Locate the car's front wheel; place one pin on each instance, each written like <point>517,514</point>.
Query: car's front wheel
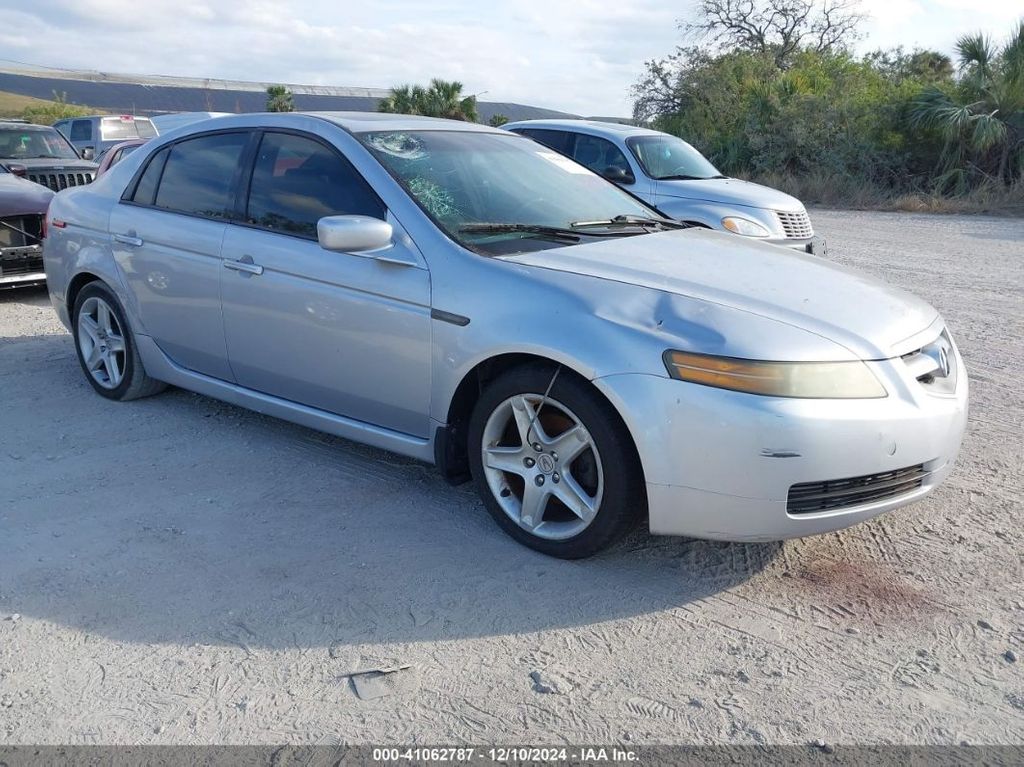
<point>553,462</point>
<point>106,348</point>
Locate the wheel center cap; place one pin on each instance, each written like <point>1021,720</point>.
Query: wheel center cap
<point>545,463</point>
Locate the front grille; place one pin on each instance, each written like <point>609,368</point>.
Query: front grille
<point>20,231</point>
<point>811,497</point>
<point>797,226</point>
<point>934,366</point>
<point>13,267</point>
<point>57,181</point>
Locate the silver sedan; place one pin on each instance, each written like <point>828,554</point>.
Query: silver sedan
<point>467,297</point>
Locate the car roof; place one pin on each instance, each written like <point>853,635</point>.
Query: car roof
<point>591,127</point>
<point>362,122</point>
<point>354,122</point>
<point>104,117</point>
<point>22,125</point>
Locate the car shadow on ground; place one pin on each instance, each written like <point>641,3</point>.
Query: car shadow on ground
<point>182,519</point>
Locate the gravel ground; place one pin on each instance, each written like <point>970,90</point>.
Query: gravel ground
<point>177,570</point>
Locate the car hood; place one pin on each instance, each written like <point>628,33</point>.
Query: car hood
<point>19,197</point>
<point>730,191</point>
<point>869,318</point>
<point>52,163</point>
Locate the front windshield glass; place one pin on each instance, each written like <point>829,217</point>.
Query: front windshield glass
<point>28,143</point>
<point>466,181</point>
<point>669,157</point>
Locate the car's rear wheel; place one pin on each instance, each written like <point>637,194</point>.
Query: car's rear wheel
<point>106,348</point>
<point>553,462</point>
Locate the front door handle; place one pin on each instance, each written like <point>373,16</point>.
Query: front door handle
<point>127,239</point>
<point>244,266</point>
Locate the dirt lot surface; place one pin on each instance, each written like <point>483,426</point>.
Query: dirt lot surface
<point>179,570</point>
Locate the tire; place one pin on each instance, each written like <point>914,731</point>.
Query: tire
<point>598,473</point>
<point>106,347</point>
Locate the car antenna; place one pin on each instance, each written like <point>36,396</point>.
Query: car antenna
<point>543,400</point>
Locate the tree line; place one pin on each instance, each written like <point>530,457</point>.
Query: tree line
<point>771,89</point>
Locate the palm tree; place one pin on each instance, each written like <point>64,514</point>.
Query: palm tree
<point>441,99</point>
<point>404,99</point>
<point>982,119</point>
<point>445,99</point>
<point>279,99</point>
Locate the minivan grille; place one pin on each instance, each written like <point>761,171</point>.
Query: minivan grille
<point>57,181</point>
<point>810,497</point>
<point>797,226</point>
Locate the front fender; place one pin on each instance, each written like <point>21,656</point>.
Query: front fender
<point>593,326</point>
<point>710,214</point>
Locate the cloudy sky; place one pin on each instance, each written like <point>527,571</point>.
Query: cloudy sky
<point>580,55</point>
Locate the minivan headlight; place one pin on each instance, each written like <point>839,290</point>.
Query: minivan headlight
<point>744,226</point>
<point>808,380</point>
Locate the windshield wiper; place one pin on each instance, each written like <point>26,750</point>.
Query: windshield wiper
<point>554,232</point>
<point>684,177</point>
<point>643,221</point>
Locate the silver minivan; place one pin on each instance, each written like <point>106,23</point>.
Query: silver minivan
<point>93,136</point>
<point>668,173</point>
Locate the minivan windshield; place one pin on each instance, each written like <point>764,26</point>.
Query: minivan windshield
<point>29,142</point>
<point>502,193</point>
<point>668,158</point>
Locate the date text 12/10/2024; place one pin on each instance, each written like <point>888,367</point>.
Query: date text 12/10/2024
<point>441,754</point>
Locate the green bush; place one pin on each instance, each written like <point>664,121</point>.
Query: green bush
<point>50,112</point>
<point>881,126</point>
<point>827,113</point>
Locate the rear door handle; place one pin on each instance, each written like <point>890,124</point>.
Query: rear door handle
<point>244,266</point>
<point>127,239</point>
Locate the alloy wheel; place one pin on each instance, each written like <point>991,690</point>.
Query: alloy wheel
<point>543,466</point>
<point>101,341</point>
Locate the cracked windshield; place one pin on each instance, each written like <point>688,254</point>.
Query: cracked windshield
<point>503,194</point>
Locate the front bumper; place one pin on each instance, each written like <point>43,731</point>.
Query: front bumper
<point>813,245</point>
<point>21,266</point>
<point>720,464</point>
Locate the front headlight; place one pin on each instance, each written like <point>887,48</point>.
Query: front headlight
<point>808,380</point>
<point>745,226</point>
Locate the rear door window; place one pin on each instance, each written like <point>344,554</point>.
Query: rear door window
<point>199,173</point>
<point>559,140</point>
<point>145,190</point>
<point>81,130</point>
<point>296,181</point>
<point>598,154</point>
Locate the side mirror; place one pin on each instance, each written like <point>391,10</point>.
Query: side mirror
<point>17,169</point>
<point>618,175</point>
<point>353,234</point>
<point>88,153</point>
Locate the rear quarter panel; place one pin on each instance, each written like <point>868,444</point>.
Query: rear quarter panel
<point>82,244</point>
